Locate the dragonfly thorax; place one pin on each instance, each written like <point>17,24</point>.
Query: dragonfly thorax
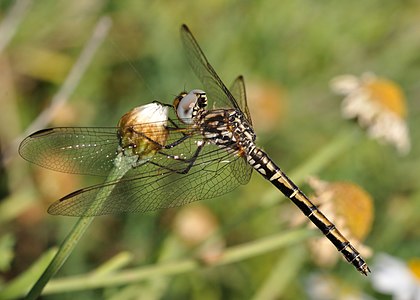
<point>227,128</point>
<point>188,105</point>
<point>242,131</point>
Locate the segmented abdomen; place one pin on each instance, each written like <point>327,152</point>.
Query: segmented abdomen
<point>260,161</point>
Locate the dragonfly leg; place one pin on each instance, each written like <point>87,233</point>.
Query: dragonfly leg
<point>190,161</point>
<point>176,143</point>
<point>168,146</point>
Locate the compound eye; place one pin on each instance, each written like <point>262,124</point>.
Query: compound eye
<point>185,106</point>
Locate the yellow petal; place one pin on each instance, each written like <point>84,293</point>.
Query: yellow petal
<point>388,94</point>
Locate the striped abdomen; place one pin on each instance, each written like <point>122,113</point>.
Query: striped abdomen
<point>266,167</point>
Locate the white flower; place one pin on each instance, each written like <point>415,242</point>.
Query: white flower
<point>326,287</point>
<point>396,277</point>
<point>196,225</point>
<point>379,106</point>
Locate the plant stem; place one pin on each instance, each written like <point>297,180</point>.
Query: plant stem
<point>231,255</point>
<point>291,260</point>
<point>12,20</point>
<point>122,165</point>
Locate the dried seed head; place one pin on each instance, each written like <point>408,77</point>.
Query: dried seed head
<point>143,129</point>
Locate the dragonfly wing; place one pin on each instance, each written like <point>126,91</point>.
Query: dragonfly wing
<point>80,150</point>
<point>156,184</point>
<point>89,150</point>
<point>217,92</point>
<point>241,170</point>
<point>239,93</point>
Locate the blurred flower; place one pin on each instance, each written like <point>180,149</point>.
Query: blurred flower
<point>196,226</point>
<point>54,185</point>
<point>66,115</point>
<point>326,287</point>
<point>149,118</point>
<point>267,104</point>
<point>350,208</point>
<point>395,277</point>
<point>379,106</point>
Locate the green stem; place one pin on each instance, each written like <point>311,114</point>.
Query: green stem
<point>122,165</point>
<point>179,266</point>
<point>63,253</point>
<point>19,285</point>
<point>283,271</point>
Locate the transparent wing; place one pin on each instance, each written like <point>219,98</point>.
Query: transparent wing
<point>86,150</point>
<point>157,183</point>
<point>241,170</point>
<point>239,93</point>
<point>217,92</point>
<point>80,150</point>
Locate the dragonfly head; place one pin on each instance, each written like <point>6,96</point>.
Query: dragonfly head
<point>187,105</point>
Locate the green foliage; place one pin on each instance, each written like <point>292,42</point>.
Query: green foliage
<point>295,46</point>
<point>6,251</point>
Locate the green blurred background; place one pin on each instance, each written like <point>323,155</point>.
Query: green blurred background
<point>288,52</point>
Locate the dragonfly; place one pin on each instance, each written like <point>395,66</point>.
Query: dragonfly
<point>188,152</point>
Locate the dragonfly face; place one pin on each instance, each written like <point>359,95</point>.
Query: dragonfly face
<point>188,106</point>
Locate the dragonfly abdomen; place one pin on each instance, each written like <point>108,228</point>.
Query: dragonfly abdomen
<point>260,161</point>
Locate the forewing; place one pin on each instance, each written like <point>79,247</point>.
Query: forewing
<point>81,150</point>
<point>217,92</point>
<point>88,150</point>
